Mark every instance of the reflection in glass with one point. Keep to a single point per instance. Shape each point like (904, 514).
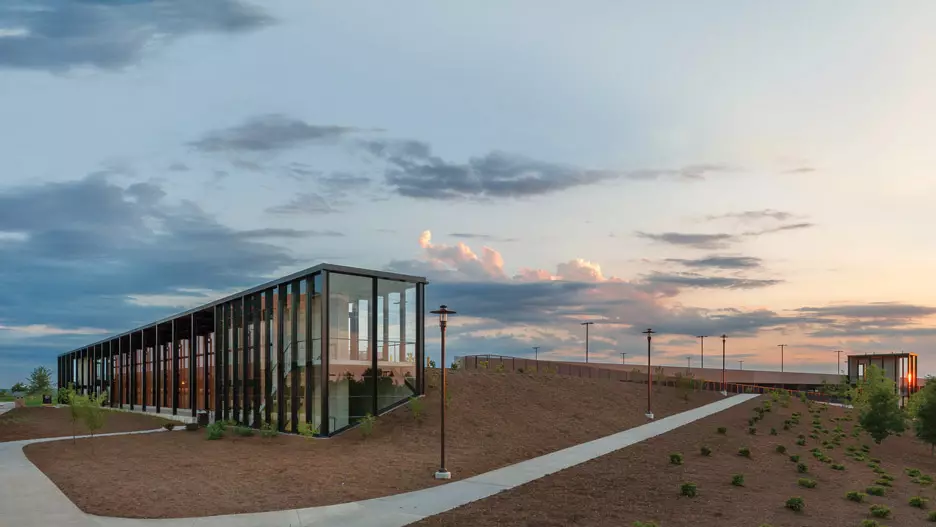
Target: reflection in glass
(350, 374)
(396, 334)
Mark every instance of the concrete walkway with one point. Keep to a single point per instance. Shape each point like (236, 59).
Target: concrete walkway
(35, 500)
(6, 407)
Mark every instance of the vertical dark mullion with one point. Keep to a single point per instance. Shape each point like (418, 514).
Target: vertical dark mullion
(235, 362)
(143, 371)
(325, 426)
(157, 371)
(255, 321)
(111, 393)
(225, 361)
(310, 285)
(192, 380)
(176, 346)
(267, 356)
(372, 342)
(420, 351)
(294, 357)
(245, 356)
(217, 342)
(281, 292)
(120, 372)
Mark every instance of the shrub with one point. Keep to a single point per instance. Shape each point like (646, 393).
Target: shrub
(926, 480)
(795, 504)
(878, 470)
(838, 466)
(689, 490)
(854, 495)
(802, 468)
(751, 421)
(773, 431)
(931, 516)
(888, 477)
(722, 430)
(645, 524)
(367, 425)
(801, 442)
(744, 452)
(880, 511)
(918, 502)
(268, 430)
(869, 523)
(417, 407)
(883, 482)
(243, 431)
(806, 482)
(675, 458)
(786, 426)
(169, 426)
(306, 430)
(752, 430)
(215, 430)
(737, 480)
(781, 449)
(874, 490)
(705, 451)
(65, 395)
(865, 448)
(913, 472)
(794, 458)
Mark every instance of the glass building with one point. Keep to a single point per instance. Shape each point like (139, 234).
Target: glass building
(321, 348)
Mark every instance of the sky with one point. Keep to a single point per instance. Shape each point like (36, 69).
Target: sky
(757, 170)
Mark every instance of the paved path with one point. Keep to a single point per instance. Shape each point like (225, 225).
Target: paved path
(6, 407)
(35, 500)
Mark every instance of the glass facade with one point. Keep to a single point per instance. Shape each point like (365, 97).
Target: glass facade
(315, 351)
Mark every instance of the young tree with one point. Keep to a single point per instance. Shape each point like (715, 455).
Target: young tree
(76, 411)
(922, 408)
(879, 406)
(19, 388)
(40, 381)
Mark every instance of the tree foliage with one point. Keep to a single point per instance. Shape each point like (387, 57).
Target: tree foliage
(875, 397)
(922, 409)
(40, 381)
(19, 388)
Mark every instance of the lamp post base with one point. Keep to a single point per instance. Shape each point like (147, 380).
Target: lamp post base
(725, 393)
(443, 474)
(649, 415)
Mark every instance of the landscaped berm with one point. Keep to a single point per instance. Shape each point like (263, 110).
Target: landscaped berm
(493, 419)
(41, 422)
(770, 462)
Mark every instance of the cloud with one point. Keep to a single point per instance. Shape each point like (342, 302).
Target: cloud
(697, 241)
(753, 215)
(695, 280)
(178, 167)
(305, 203)
(44, 330)
(800, 170)
(57, 35)
(720, 262)
(269, 133)
(872, 310)
(719, 240)
(481, 237)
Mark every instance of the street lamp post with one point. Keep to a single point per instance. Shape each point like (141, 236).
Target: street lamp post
(740, 364)
(586, 324)
(838, 354)
(781, 346)
(702, 348)
(649, 334)
(724, 386)
(536, 357)
(443, 313)
(624, 358)
(688, 363)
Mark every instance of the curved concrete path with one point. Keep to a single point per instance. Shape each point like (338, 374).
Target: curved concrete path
(31, 498)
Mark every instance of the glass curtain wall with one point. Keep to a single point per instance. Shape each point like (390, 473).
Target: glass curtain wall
(313, 317)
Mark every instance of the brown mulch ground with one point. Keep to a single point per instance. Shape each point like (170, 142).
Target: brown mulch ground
(640, 484)
(492, 420)
(39, 422)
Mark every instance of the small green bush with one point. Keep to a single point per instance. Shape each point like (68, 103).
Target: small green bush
(744, 452)
(866, 448)
(838, 466)
(268, 430)
(244, 431)
(874, 490)
(883, 482)
(854, 495)
(806, 482)
(880, 511)
(931, 516)
(773, 431)
(795, 504)
(417, 407)
(795, 458)
(689, 490)
(913, 472)
(869, 523)
(918, 502)
(801, 442)
(675, 458)
(786, 426)
(802, 468)
(722, 430)
(705, 451)
(752, 430)
(781, 449)
(215, 430)
(645, 524)
(926, 479)
(737, 480)
(367, 425)
(887, 477)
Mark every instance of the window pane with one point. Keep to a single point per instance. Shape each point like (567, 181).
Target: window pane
(396, 319)
(350, 377)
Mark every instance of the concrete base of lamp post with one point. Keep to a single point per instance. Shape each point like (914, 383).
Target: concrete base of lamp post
(649, 415)
(724, 393)
(443, 474)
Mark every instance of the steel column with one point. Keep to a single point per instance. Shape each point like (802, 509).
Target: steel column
(281, 292)
(325, 424)
(245, 357)
(255, 321)
(235, 361)
(309, 348)
(268, 356)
